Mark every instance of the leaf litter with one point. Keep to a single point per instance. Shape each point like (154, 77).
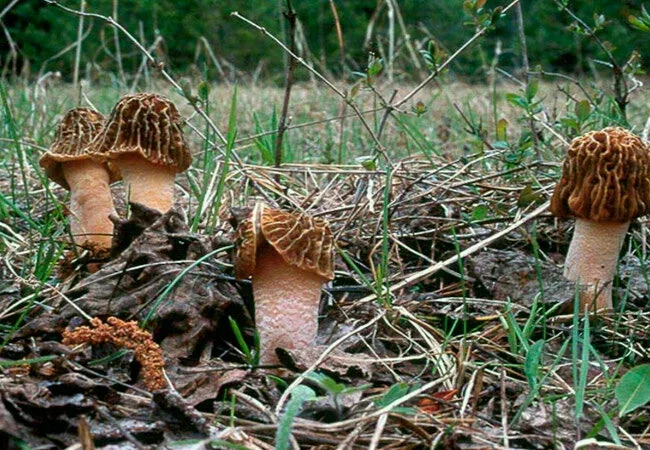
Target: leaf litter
(440, 362)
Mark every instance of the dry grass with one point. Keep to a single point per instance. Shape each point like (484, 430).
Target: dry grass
(408, 299)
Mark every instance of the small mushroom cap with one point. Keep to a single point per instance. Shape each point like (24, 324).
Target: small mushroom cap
(302, 241)
(72, 140)
(605, 178)
(149, 125)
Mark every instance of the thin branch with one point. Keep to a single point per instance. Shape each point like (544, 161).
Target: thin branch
(379, 147)
(118, 50)
(77, 58)
(152, 60)
(290, 15)
(8, 8)
(620, 85)
(526, 67)
(339, 36)
(425, 273)
(62, 52)
(449, 60)
(646, 131)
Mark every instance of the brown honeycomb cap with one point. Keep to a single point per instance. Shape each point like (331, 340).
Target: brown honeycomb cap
(301, 240)
(149, 125)
(72, 139)
(605, 177)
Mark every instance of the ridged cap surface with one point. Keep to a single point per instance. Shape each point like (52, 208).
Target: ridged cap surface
(605, 177)
(301, 240)
(72, 140)
(149, 125)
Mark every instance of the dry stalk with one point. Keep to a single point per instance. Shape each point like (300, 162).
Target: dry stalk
(421, 275)
(449, 60)
(118, 49)
(378, 145)
(77, 58)
(621, 90)
(290, 15)
(7, 8)
(526, 67)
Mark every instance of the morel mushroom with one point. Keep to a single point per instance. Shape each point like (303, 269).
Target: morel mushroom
(143, 137)
(605, 184)
(289, 257)
(70, 164)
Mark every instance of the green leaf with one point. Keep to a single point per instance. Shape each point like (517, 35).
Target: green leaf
(326, 383)
(354, 90)
(21, 362)
(582, 110)
(243, 346)
(231, 137)
(367, 161)
(502, 130)
(639, 24)
(355, 389)
(633, 389)
(395, 392)
(375, 67)
(204, 90)
(299, 396)
(479, 213)
(531, 90)
(531, 365)
(517, 100)
(528, 196)
(570, 123)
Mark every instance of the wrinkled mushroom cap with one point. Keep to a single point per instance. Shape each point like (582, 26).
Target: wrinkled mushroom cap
(149, 125)
(302, 241)
(72, 139)
(605, 178)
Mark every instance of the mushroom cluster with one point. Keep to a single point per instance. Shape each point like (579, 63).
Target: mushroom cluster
(605, 184)
(288, 257)
(70, 163)
(142, 142)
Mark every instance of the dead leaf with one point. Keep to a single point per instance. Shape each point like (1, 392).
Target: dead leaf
(158, 250)
(337, 363)
(432, 403)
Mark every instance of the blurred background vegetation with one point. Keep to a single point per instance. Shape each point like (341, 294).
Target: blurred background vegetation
(201, 37)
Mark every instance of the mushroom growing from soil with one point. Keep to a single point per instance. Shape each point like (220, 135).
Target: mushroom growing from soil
(605, 184)
(143, 137)
(289, 257)
(70, 163)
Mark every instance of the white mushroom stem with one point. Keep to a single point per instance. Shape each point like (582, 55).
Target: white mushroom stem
(286, 304)
(592, 259)
(91, 203)
(146, 183)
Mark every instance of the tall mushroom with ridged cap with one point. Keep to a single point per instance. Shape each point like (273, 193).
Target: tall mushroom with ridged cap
(144, 138)
(289, 257)
(605, 184)
(70, 163)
